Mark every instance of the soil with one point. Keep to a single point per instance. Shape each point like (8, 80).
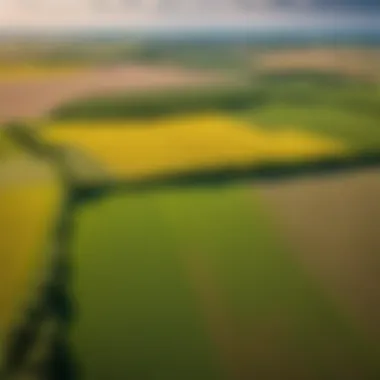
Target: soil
(333, 225)
(35, 97)
(351, 61)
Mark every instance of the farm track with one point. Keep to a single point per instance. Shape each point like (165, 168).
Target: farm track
(35, 97)
(333, 225)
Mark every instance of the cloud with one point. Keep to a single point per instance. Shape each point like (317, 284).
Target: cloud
(130, 13)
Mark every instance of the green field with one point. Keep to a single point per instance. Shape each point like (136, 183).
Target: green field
(198, 282)
(193, 281)
(192, 273)
(359, 131)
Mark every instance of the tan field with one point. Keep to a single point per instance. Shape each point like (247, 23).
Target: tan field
(333, 224)
(35, 96)
(352, 61)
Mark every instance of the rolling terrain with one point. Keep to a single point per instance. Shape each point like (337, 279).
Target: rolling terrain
(234, 278)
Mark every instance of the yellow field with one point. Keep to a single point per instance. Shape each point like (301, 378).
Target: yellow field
(140, 148)
(7, 147)
(26, 215)
(29, 71)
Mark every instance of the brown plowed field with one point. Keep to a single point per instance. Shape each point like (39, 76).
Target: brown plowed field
(350, 61)
(34, 97)
(334, 225)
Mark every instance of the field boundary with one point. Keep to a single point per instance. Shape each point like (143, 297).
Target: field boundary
(80, 191)
(88, 189)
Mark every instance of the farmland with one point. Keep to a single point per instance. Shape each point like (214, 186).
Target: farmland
(357, 130)
(136, 149)
(35, 97)
(196, 280)
(25, 72)
(335, 228)
(356, 62)
(26, 217)
(214, 273)
(7, 148)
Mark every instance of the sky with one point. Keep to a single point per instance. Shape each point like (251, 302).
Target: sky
(145, 13)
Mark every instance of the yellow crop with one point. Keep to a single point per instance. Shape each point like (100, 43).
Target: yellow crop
(29, 71)
(26, 217)
(6, 147)
(141, 148)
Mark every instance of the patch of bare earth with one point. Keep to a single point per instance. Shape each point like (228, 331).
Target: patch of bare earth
(333, 225)
(350, 61)
(33, 98)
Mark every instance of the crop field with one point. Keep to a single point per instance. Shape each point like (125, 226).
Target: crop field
(134, 149)
(198, 279)
(25, 72)
(360, 62)
(205, 265)
(214, 273)
(27, 214)
(359, 131)
(7, 148)
(339, 246)
(23, 98)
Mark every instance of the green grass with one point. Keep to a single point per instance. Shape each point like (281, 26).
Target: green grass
(140, 317)
(324, 103)
(310, 89)
(139, 320)
(358, 130)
